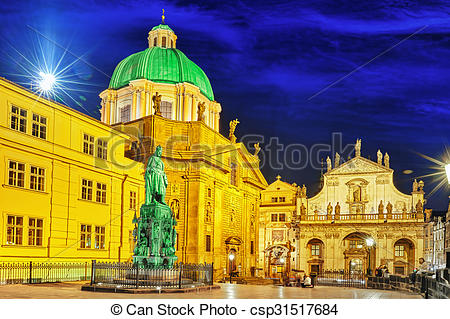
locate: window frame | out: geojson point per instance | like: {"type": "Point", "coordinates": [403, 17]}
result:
{"type": "Point", "coordinates": [39, 183]}
{"type": "Point", "coordinates": [133, 200]}
{"type": "Point", "coordinates": [35, 232]}
{"type": "Point", "coordinates": [99, 237]}
{"type": "Point", "coordinates": [85, 243]}
{"type": "Point", "coordinates": [15, 228]}
{"type": "Point", "coordinates": [88, 144]}
{"type": "Point", "coordinates": [19, 118]}
{"type": "Point", "coordinates": [274, 218]}
{"type": "Point", "coordinates": [89, 189]}
{"type": "Point", "coordinates": [41, 130]}
{"type": "Point", "coordinates": [100, 192]}
{"type": "Point", "coordinates": [399, 251]}
{"type": "Point", "coordinates": [281, 217]}
{"type": "Point", "coordinates": [315, 249]}
{"type": "Point", "coordinates": [16, 172]}
{"type": "Point", "coordinates": [102, 149]}
{"type": "Point", "coordinates": [208, 243]}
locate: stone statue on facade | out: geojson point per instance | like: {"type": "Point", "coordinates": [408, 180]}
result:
{"type": "Point", "coordinates": [233, 125]}
{"type": "Point", "coordinates": [337, 209]}
{"type": "Point", "coordinates": [304, 191]}
{"type": "Point", "coordinates": [415, 186]}
{"type": "Point", "coordinates": [302, 210]}
{"type": "Point", "coordinates": [379, 157]}
{"type": "Point", "coordinates": [337, 160]}
{"type": "Point", "coordinates": [419, 207]}
{"type": "Point", "coordinates": [257, 149]}
{"type": "Point", "coordinates": [386, 160]}
{"type": "Point", "coordinates": [329, 209]}
{"type": "Point", "coordinates": [358, 147]}
{"type": "Point", "coordinates": [328, 163]}
{"type": "Point", "coordinates": [389, 209]}
{"type": "Point", "coordinates": [200, 111]}
{"type": "Point", "coordinates": [157, 103]}
{"type": "Point", "coordinates": [381, 209]}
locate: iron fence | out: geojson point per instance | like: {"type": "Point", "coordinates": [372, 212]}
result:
{"type": "Point", "coordinates": [41, 272]}
{"type": "Point", "coordinates": [341, 278]}
{"type": "Point", "coordinates": [128, 275]}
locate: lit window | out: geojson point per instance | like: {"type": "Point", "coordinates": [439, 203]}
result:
{"type": "Point", "coordinates": [171, 43]}
{"type": "Point", "coordinates": [282, 217]}
{"type": "Point", "coordinates": [101, 193]}
{"type": "Point", "coordinates": [133, 197]}
{"type": "Point", "coordinates": [274, 217]}
{"type": "Point", "coordinates": [274, 199]}
{"type": "Point", "coordinates": [208, 243]}
{"type": "Point", "coordinates": [209, 192]}
{"type": "Point", "coordinates": [399, 250]}
{"type": "Point", "coordinates": [14, 230]}
{"type": "Point", "coordinates": [18, 119]}
{"type": "Point", "coordinates": [233, 176]}
{"type": "Point", "coordinates": [315, 250]}
{"type": "Point", "coordinates": [102, 149]}
{"type": "Point", "coordinates": [155, 41]}
{"type": "Point", "coordinates": [86, 189]}
{"type": "Point", "coordinates": [88, 144]}
{"type": "Point", "coordinates": [164, 42]}
{"type": "Point", "coordinates": [37, 178]}
{"type": "Point", "coordinates": [99, 237]}
{"type": "Point", "coordinates": [125, 113]}
{"type": "Point", "coordinates": [39, 127]}
{"type": "Point", "coordinates": [35, 230]}
{"type": "Point", "coordinates": [16, 174]}
{"type": "Point", "coordinates": [282, 199]}
{"type": "Point", "coordinates": [85, 236]}
{"type": "Point", "coordinates": [252, 247]}
{"type": "Point", "coordinates": [166, 109]}
{"type": "Point", "coordinates": [356, 243]}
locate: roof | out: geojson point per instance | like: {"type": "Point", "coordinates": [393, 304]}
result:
{"type": "Point", "coordinates": [161, 65]}
{"type": "Point", "coordinates": [163, 27]}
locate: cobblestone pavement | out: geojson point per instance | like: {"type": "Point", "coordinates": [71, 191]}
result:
{"type": "Point", "coordinates": [73, 291]}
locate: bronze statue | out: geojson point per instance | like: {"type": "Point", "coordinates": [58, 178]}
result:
{"type": "Point", "coordinates": [200, 111]}
{"type": "Point", "coordinates": [302, 209]}
{"type": "Point", "coordinates": [157, 103]}
{"type": "Point", "coordinates": [155, 179]}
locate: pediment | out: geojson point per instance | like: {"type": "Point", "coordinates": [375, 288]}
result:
{"type": "Point", "coordinates": [279, 185]}
{"type": "Point", "coordinates": [359, 165]}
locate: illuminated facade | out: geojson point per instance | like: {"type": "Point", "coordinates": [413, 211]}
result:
{"type": "Point", "coordinates": [358, 205]}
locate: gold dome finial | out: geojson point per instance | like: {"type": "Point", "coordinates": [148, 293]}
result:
{"type": "Point", "coordinates": [163, 17]}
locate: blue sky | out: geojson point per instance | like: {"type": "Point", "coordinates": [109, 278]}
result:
{"type": "Point", "coordinates": [265, 60]}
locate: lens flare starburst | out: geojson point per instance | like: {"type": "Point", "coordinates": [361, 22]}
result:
{"type": "Point", "coordinates": [441, 176]}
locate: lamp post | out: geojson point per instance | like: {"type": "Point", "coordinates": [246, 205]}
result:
{"type": "Point", "coordinates": [369, 243]}
{"type": "Point", "coordinates": [231, 258]}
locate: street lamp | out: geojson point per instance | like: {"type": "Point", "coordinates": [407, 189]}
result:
{"type": "Point", "coordinates": [231, 258]}
{"type": "Point", "coordinates": [369, 243]}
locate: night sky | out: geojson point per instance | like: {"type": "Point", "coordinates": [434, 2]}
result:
{"type": "Point", "coordinates": [268, 64]}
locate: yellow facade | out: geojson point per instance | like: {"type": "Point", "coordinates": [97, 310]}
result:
{"type": "Point", "coordinates": [43, 162]}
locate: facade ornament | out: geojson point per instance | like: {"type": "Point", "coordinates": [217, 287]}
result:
{"type": "Point", "coordinates": [200, 111]}
{"type": "Point", "coordinates": [415, 185]}
{"type": "Point", "coordinates": [380, 209]}
{"type": "Point", "coordinates": [386, 160]}
{"type": "Point", "coordinates": [389, 209]}
{"type": "Point", "coordinates": [304, 191]}
{"type": "Point", "coordinates": [337, 209]}
{"type": "Point", "coordinates": [329, 209]}
{"type": "Point", "coordinates": [302, 209]}
{"type": "Point", "coordinates": [421, 185]}
{"type": "Point", "coordinates": [358, 147]}
{"type": "Point", "coordinates": [233, 125]}
{"type": "Point", "coordinates": [328, 164]}
{"type": "Point", "coordinates": [163, 17]}
{"type": "Point", "coordinates": [278, 177]}
{"type": "Point", "coordinates": [257, 149]}
{"type": "Point", "coordinates": [157, 103]}
{"type": "Point", "coordinates": [419, 207]}
{"type": "Point", "coordinates": [337, 160]}
{"type": "Point", "coordinates": [379, 157]}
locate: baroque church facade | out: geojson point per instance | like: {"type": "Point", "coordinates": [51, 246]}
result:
{"type": "Point", "coordinates": [359, 220]}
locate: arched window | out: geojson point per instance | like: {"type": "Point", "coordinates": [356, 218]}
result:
{"type": "Point", "coordinates": [164, 42]}
{"type": "Point", "coordinates": [155, 41]}
{"type": "Point", "coordinates": [166, 109]}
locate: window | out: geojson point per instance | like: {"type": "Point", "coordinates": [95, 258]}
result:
{"type": "Point", "coordinates": [35, 230]}
{"type": "Point", "coordinates": [274, 217]}
{"type": "Point", "coordinates": [315, 250]}
{"type": "Point", "coordinates": [102, 149]}
{"type": "Point", "coordinates": [282, 218]}
{"type": "Point", "coordinates": [37, 178]}
{"type": "Point", "coordinates": [14, 230]}
{"type": "Point", "coordinates": [233, 176]}
{"type": "Point", "coordinates": [274, 199]}
{"type": "Point", "coordinates": [86, 189]}
{"type": "Point", "coordinates": [166, 109]}
{"type": "Point", "coordinates": [209, 193]}
{"type": "Point", "coordinates": [39, 127]}
{"type": "Point", "coordinates": [16, 174]}
{"type": "Point", "coordinates": [99, 237]}
{"type": "Point", "coordinates": [171, 43]}
{"type": "Point", "coordinates": [85, 236]}
{"type": "Point", "coordinates": [88, 144]}
{"type": "Point", "coordinates": [101, 193]}
{"type": "Point", "coordinates": [18, 119]}
{"type": "Point", "coordinates": [252, 247]}
{"type": "Point", "coordinates": [133, 197]}
{"type": "Point", "coordinates": [356, 243]}
{"type": "Point", "coordinates": [208, 243]}
{"type": "Point", "coordinates": [164, 40]}
{"type": "Point", "coordinates": [282, 199]}
{"type": "Point", "coordinates": [155, 41]}
{"type": "Point", "coordinates": [399, 251]}
{"type": "Point", "coordinates": [125, 113]}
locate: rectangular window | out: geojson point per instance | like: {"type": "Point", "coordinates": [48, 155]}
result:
{"type": "Point", "coordinates": [85, 236]}
{"type": "Point", "coordinates": [101, 193]}
{"type": "Point", "coordinates": [18, 119]}
{"type": "Point", "coordinates": [208, 243]}
{"type": "Point", "coordinates": [399, 250]}
{"type": "Point", "coordinates": [35, 230]}
{"type": "Point", "coordinates": [86, 189]}
{"type": "Point", "coordinates": [102, 149]}
{"type": "Point", "coordinates": [37, 178]}
{"type": "Point", "coordinates": [133, 196]}
{"type": "Point", "coordinates": [274, 217]}
{"type": "Point", "coordinates": [209, 192]}
{"type": "Point", "coordinates": [356, 243]}
{"type": "Point", "coordinates": [166, 110]}
{"type": "Point", "coordinates": [252, 247]}
{"type": "Point", "coordinates": [282, 199]}
{"type": "Point", "coordinates": [315, 250]}
{"type": "Point", "coordinates": [16, 174]}
{"type": "Point", "coordinates": [163, 42]}
{"type": "Point", "coordinates": [88, 144]}
{"type": "Point", "coordinates": [233, 176]}
{"type": "Point", "coordinates": [99, 237]}
{"type": "Point", "coordinates": [125, 113]}
{"type": "Point", "coordinates": [14, 230]}
{"type": "Point", "coordinates": [39, 127]}
{"type": "Point", "coordinates": [274, 199]}
{"type": "Point", "coordinates": [282, 218]}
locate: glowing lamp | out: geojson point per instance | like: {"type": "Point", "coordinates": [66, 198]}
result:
{"type": "Point", "coordinates": [447, 170]}
{"type": "Point", "coordinates": [370, 242]}
{"type": "Point", "coordinates": [47, 81]}
{"type": "Point", "coordinates": [231, 257]}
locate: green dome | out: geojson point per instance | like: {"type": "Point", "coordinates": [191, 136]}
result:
{"type": "Point", "coordinates": [162, 26]}
{"type": "Point", "coordinates": [160, 65]}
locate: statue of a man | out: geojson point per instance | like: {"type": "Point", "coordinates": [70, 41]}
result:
{"type": "Point", "coordinates": [415, 185]}
{"type": "Point", "coordinates": [386, 160]}
{"type": "Point", "coordinates": [200, 111]}
{"type": "Point", "coordinates": [304, 191]}
{"type": "Point", "coordinates": [302, 209]}
{"type": "Point", "coordinates": [155, 179]}
{"type": "Point", "coordinates": [389, 208]}
{"type": "Point", "coordinates": [381, 208]}
{"type": "Point", "coordinates": [419, 207]}
{"type": "Point", "coordinates": [157, 103]}
{"type": "Point", "coordinates": [358, 147]}
{"type": "Point", "coordinates": [328, 163]}
{"type": "Point", "coordinates": [379, 157]}
{"type": "Point", "coordinates": [329, 209]}
{"type": "Point", "coordinates": [337, 160]}
{"type": "Point", "coordinates": [337, 209]}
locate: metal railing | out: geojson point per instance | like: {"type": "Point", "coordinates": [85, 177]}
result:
{"type": "Point", "coordinates": [41, 272]}
{"type": "Point", "coordinates": [341, 278]}
{"type": "Point", "coordinates": [128, 275]}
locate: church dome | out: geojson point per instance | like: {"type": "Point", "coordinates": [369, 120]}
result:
{"type": "Point", "coordinates": [163, 65]}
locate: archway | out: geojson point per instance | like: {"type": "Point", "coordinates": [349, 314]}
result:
{"type": "Point", "coordinates": [404, 256]}
{"type": "Point", "coordinates": [277, 260]}
{"type": "Point", "coordinates": [315, 248]}
{"type": "Point", "coordinates": [234, 258]}
{"type": "Point", "coordinates": [359, 253]}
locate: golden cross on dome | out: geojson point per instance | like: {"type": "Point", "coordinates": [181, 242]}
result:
{"type": "Point", "coordinates": [163, 17]}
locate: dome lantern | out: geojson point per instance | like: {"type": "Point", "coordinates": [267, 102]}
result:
{"type": "Point", "coordinates": [162, 36]}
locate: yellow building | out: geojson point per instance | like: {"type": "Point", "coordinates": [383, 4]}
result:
{"type": "Point", "coordinates": [67, 191]}
{"type": "Point", "coordinates": [214, 182]}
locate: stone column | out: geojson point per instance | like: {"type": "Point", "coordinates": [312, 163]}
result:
{"type": "Point", "coordinates": [133, 105]}
{"type": "Point", "coordinates": [216, 121]}
{"type": "Point", "coordinates": [143, 104]}
{"type": "Point", "coordinates": [185, 107]}
{"type": "Point", "coordinates": [108, 110]}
